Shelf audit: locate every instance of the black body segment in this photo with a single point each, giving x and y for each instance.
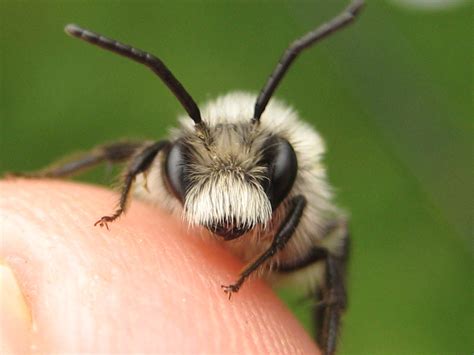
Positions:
(283, 235)
(295, 48)
(145, 58)
(282, 167)
(175, 170)
(138, 164)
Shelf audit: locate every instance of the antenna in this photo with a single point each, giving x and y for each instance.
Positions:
(295, 48)
(152, 62)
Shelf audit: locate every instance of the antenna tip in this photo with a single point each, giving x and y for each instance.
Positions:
(73, 30)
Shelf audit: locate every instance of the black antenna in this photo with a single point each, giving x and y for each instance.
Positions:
(295, 48)
(152, 62)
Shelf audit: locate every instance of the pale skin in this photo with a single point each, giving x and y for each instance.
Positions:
(146, 285)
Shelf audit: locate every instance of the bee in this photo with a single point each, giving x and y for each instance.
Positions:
(249, 171)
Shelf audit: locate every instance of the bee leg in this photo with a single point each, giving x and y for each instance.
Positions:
(283, 235)
(113, 153)
(333, 303)
(139, 164)
(332, 298)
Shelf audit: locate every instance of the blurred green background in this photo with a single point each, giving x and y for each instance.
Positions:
(391, 95)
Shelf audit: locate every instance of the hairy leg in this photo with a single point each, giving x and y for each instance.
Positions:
(138, 164)
(283, 235)
(116, 152)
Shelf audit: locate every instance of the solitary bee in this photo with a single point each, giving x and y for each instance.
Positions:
(249, 171)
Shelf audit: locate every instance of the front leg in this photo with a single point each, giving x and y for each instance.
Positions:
(139, 164)
(283, 235)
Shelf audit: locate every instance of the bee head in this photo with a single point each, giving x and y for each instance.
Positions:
(232, 179)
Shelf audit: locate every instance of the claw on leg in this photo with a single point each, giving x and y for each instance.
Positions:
(104, 221)
(230, 289)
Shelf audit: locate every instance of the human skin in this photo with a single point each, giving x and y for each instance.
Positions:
(146, 285)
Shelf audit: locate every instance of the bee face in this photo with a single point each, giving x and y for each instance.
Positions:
(231, 178)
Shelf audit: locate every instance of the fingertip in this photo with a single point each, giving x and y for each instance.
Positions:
(151, 283)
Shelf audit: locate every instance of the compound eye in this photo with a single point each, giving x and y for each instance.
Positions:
(176, 169)
(283, 166)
